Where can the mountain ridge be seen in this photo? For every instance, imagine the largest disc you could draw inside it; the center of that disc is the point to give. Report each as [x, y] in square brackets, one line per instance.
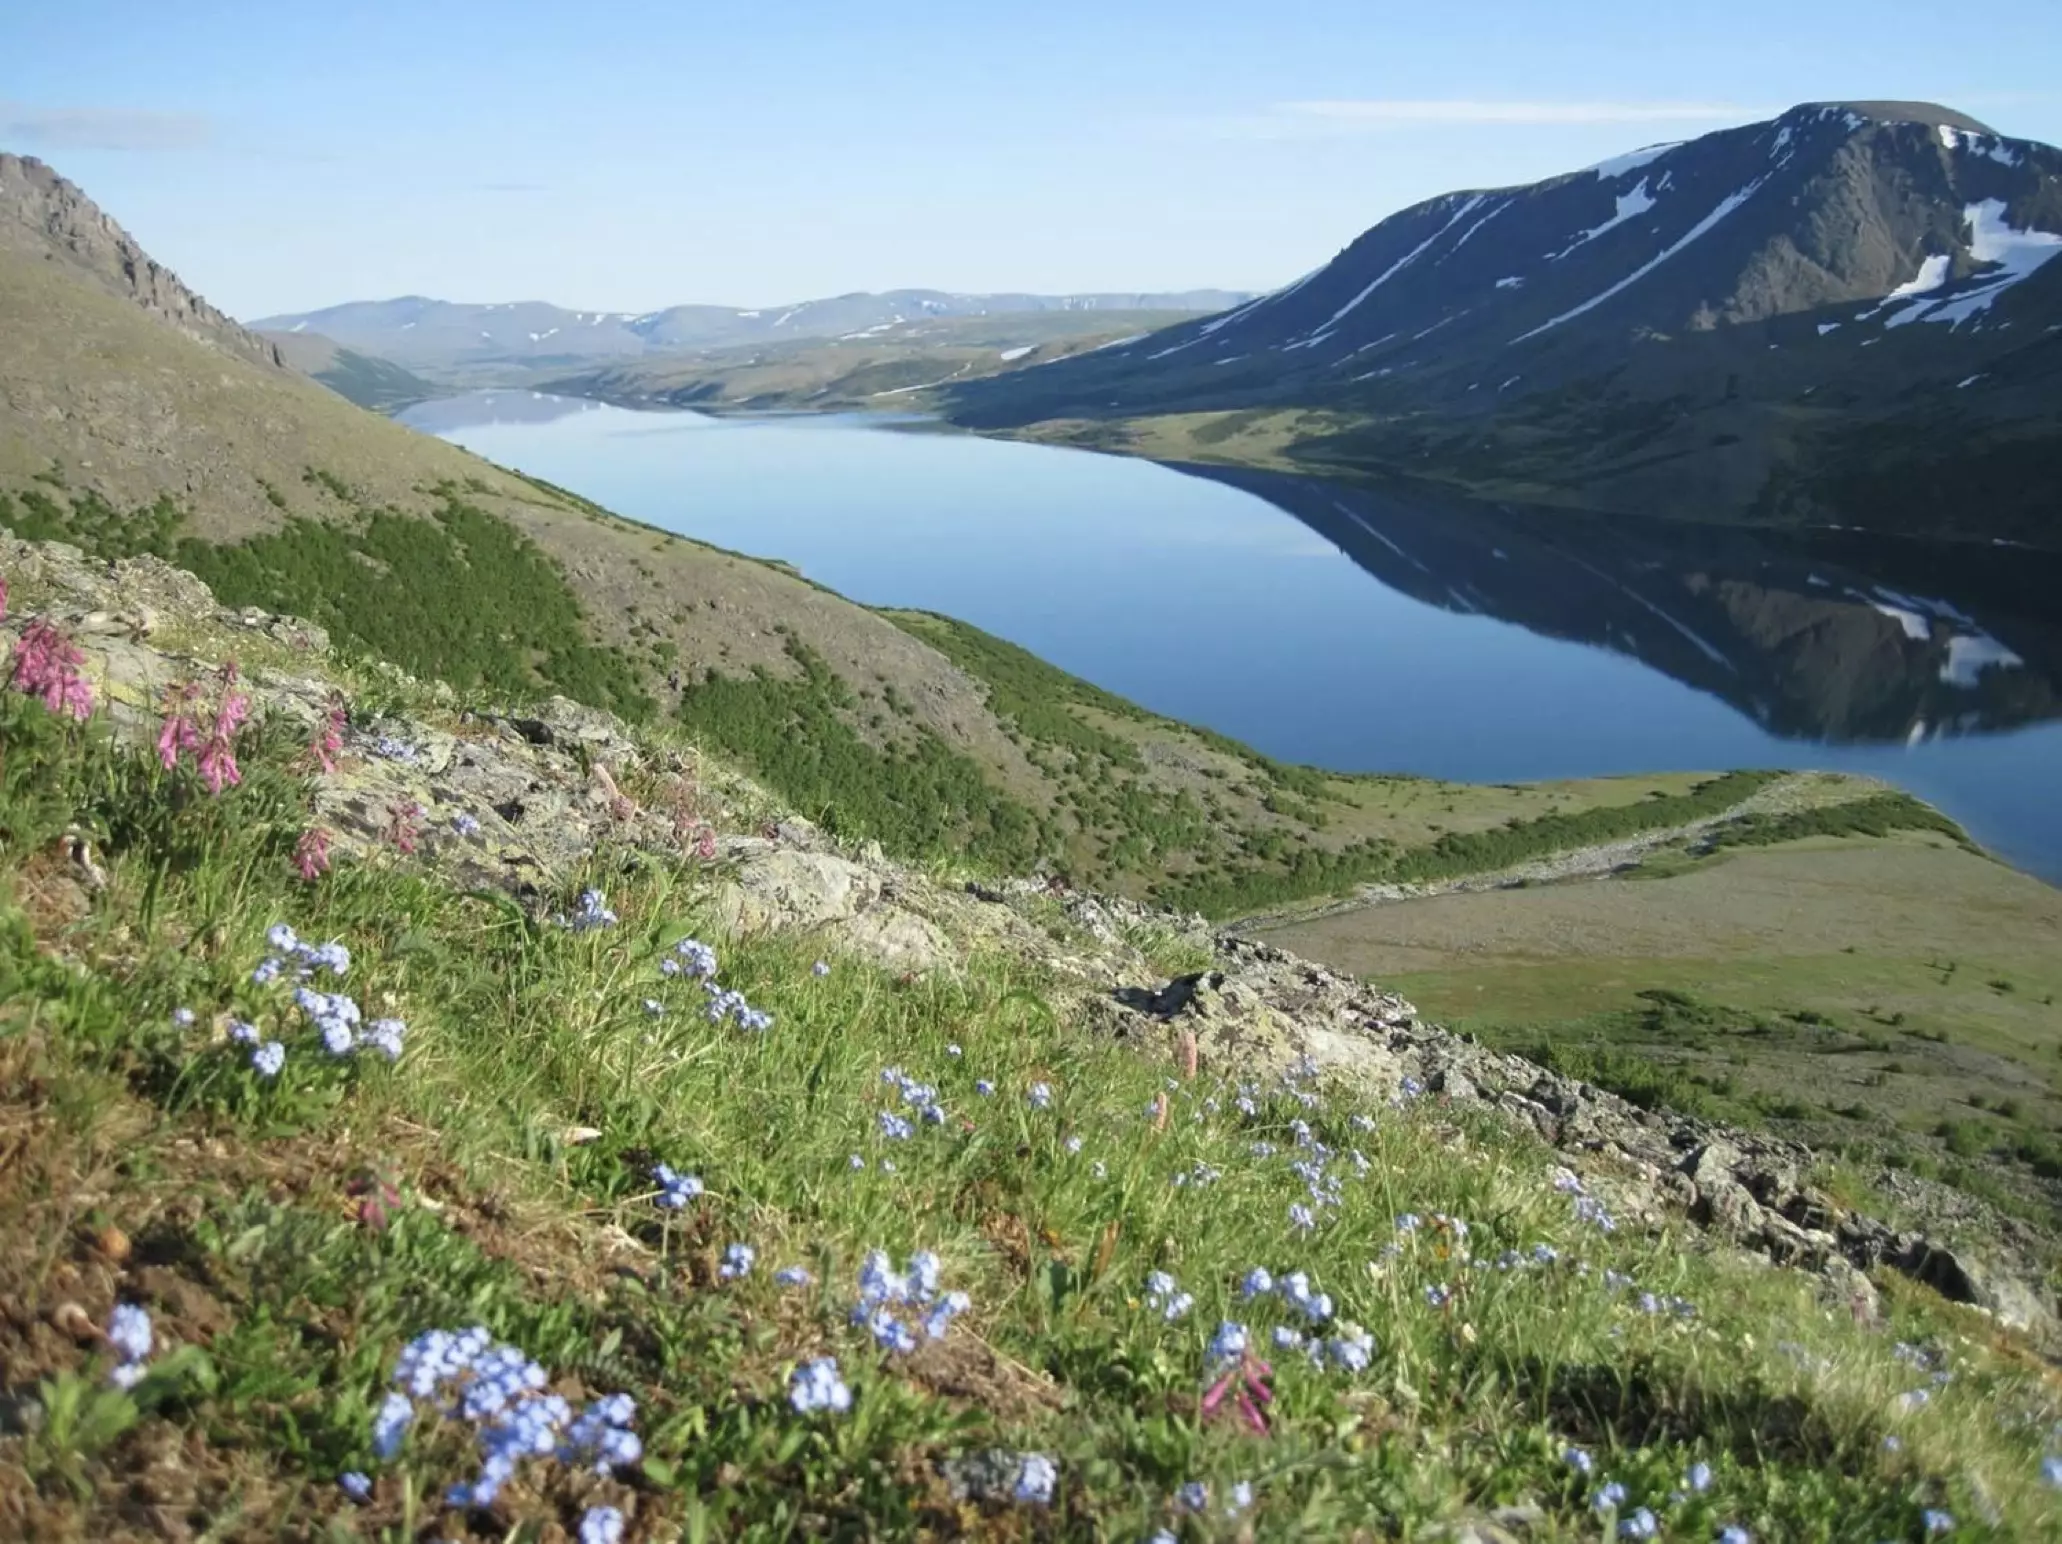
[1694, 311]
[422, 332]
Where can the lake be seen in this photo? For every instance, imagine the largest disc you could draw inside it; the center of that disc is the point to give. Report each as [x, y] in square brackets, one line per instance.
[1361, 630]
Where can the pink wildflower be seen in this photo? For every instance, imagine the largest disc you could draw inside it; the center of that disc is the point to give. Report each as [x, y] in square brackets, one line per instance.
[404, 826]
[328, 742]
[214, 751]
[1247, 1383]
[311, 853]
[376, 1196]
[46, 665]
[178, 733]
[705, 843]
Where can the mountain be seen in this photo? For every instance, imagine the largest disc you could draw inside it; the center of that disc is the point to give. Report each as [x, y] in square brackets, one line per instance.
[1831, 636]
[44, 219]
[1848, 313]
[379, 384]
[899, 365]
[136, 417]
[436, 335]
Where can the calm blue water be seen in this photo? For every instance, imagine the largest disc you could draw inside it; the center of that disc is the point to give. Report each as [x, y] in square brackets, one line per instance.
[1358, 631]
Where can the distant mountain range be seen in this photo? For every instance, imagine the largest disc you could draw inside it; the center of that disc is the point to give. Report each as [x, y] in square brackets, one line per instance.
[1850, 311]
[444, 335]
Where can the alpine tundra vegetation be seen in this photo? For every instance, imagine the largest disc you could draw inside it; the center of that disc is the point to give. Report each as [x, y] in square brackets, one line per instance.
[520, 1025]
[599, 1152]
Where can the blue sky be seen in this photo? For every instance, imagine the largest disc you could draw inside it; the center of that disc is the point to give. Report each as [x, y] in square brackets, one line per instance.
[631, 155]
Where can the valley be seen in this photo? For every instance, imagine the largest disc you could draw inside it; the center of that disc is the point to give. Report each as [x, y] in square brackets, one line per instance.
[1489, 810]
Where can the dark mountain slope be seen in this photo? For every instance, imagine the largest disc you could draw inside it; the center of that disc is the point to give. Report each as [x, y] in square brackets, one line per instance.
[1740, 326]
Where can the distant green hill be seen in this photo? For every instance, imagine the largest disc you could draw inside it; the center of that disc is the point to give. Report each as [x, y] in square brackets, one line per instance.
[379, 384]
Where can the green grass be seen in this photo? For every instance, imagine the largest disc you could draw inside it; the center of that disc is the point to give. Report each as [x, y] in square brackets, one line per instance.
[917, 796]
[1844, 985]
[1878, 814]
[460, 596]
[235, 1198]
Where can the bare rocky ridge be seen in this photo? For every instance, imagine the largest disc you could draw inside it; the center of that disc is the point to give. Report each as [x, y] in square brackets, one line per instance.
[40, 212]
[553, 789]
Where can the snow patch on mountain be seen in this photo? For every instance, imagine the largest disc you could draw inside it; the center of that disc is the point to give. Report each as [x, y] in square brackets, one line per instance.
[1968, 658]
[2019, 255]
[1499, 209]
[1632, 160]
[1725, 207]
[1979, 144]
[1630, 207]
[1402, 262]
[1932, 274]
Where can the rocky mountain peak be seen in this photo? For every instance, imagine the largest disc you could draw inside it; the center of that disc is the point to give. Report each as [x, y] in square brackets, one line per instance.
[43, 214]
[1930, 114]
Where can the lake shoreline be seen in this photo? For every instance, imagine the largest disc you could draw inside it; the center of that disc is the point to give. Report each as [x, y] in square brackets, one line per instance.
[1494, 644]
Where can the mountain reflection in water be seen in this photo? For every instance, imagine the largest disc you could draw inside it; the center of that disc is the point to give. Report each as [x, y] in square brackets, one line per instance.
[1832, 635]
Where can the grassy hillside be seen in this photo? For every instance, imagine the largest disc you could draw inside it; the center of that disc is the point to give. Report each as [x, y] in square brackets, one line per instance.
[374, 383]
[217, 1271]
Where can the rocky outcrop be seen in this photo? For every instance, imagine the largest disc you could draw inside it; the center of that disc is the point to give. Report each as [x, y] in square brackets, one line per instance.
[538, 803]
[1261, 1007]
[42, 212]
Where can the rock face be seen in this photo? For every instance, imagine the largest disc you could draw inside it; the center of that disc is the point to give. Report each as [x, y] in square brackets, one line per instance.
[529, 804]
[42, 212]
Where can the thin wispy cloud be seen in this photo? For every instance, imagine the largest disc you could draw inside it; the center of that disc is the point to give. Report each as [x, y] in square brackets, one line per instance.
[511, 187]
[1302, 120]
[101, 128]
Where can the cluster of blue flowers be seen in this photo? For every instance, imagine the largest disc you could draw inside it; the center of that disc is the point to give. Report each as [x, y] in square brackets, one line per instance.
[468, 1376]
[921, 1099]
[883, 1289]
[675, 1189]
[1194, 1497]
[818, 1385]
[335, 1017]
[1347, 1347]
[129, 1332]
[738, 1261]
[1164, 1295]
[696, 961]
[394, 749]
[465, 824]
[1608, 1500]
[592, 912]
[1587, 1207]
[1036, 1477]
